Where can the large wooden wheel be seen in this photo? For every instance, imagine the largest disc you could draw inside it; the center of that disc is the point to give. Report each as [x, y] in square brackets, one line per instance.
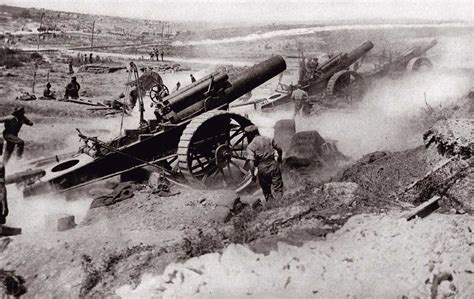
[419, 64]
[346, 84]
[212, 150]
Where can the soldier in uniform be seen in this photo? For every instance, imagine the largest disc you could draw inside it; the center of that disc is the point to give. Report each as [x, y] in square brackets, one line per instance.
[192, 78]
[265, 155]
[48, 93]
[3, 196]
[300, 97]
[13, 124]
[72, 89]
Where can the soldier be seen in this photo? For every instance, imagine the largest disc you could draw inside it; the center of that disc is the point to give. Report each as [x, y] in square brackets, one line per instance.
[71, 69]
[91, 58]
[13, 125]
[3, 196]
[265, 155]
[178, 85]
[192, 78]
[47, 93]
[162, 53]
[300, 97]
[72, 89]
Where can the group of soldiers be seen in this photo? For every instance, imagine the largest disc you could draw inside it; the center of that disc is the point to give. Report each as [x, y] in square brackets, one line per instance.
[71, 90]
[156, 53]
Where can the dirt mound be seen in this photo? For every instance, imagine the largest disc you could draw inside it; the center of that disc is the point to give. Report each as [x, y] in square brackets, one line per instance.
[342, 265]
[452, 137]
[309, 148]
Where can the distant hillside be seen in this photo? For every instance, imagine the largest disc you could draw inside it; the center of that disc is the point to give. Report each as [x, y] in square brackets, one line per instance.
[17, 19]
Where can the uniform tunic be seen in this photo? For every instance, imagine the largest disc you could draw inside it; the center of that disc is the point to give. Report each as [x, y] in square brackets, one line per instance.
[262, 151]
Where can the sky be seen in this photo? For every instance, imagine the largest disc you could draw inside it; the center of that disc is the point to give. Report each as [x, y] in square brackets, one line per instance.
[259, 11]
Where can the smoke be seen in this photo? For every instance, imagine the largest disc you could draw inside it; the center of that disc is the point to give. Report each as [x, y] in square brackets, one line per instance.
[312, 30]
[389, 117]
[30, 214]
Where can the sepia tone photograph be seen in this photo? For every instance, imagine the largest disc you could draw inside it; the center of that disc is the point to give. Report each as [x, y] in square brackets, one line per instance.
[236, 149]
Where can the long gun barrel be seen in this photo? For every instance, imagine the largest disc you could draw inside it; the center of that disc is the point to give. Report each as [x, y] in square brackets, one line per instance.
[418, 50]
[344, 60]
[218, 89]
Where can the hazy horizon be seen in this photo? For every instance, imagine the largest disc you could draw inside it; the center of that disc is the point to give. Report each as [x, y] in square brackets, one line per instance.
[256, 12]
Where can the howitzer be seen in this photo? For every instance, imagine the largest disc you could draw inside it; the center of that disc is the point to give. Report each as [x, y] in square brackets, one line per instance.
[193, 135]
[411, 59]
[331, 78]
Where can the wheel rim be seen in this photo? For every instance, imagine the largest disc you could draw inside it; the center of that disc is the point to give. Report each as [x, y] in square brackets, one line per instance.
[157, 91]
[213, 150]
[347, 85]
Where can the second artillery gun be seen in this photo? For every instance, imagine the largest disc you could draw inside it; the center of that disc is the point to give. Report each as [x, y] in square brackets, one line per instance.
[193, 134]
[329, 79]
[410, 60]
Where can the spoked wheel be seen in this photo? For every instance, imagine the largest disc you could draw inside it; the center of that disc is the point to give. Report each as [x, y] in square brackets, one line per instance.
[212, 150]
[346, 84]
[419, 64]
[158, 92]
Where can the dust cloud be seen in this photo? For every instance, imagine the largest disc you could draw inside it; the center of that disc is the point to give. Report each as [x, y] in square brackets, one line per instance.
[30, 214]
[390, 117]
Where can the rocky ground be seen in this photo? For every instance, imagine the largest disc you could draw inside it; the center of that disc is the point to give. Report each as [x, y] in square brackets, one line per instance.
[339, 231]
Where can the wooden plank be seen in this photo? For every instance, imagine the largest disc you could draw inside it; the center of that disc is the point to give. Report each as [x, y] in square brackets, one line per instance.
[424, 209]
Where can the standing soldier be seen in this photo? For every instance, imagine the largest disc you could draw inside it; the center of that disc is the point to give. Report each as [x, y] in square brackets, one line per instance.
[91, 58]
[13, 125]
[178, 85]
[162, 53]
[265, 155]
[299, 97]
[3, 196]
[192, 78]
[71, 69]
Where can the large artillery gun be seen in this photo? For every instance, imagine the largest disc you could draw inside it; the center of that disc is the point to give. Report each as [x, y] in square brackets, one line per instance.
[411, 60]
[333, 76]
[193, 134]
[328, 80]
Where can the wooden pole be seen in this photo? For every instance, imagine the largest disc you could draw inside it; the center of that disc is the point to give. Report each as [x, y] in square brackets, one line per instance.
[92, 38]
[34, 79]
[39, 34]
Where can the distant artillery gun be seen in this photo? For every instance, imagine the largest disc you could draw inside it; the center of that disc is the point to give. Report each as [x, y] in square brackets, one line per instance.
[411, 60]
[328, 80]
[193, 134]
[333, 77]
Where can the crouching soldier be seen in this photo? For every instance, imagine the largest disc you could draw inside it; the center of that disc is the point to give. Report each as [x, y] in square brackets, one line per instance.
[3, 196]
[265, 155]
[13, 125]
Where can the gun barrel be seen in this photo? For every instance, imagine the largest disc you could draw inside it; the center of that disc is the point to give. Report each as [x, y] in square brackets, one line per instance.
[220, 90]
[254, 77]
[359, 51]
[195, 93]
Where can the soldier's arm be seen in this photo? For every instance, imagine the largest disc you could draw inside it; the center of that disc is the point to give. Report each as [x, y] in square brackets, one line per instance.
[278, 149]
[27, 121]
[6, 118]
[251, 159]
